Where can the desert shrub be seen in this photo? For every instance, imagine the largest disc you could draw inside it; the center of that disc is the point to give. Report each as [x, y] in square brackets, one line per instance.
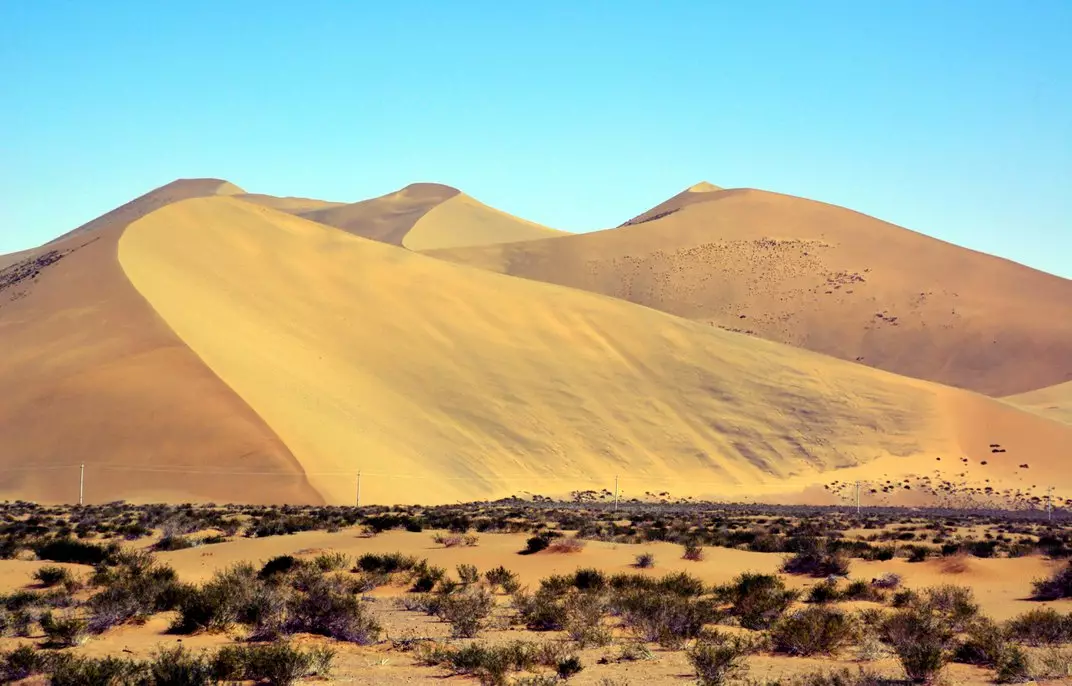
[644, 561]
[223, 600]
[174, 542]
[501, 577]
[565, 545]
[178, 666]
[544, 610]
[427, 578]
[858, 589]
[917, 553]
[812, 631]
[757, 600]
[824, 592]
[682, 584]
[72, 550]
[568, 667]
[889, 581]
[1053, 663]
[387, 563]
[1014, 667]
[21, 663]
[535, 545]
[491, 664]
[1059, 585]
[468, 574]
[466, 612]
[693, 551]
[133, 590]
[278, 565]
[448, 540]
[64, 631]
[51, 575]
[815, 558]
[1041, 626]
[589, 580]
[955, 605]
[72, 670]
[984, 644]
[667, 619]
[327, 607]
[719, 658]
[584, 619]
[920, 639]
[280, 663]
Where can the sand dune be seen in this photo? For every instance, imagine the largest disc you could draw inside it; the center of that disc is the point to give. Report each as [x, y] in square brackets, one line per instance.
[91, 374]
[442, 382]
[1054, 402]
[421, 216]
[823, 278]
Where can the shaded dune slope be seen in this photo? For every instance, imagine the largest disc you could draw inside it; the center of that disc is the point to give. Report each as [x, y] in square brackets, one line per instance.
[823, 278]
[421, 216]
[1054, 402]
[443, 383]
[92, 375]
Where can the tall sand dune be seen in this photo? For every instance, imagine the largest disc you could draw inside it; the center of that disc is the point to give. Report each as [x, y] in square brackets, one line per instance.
[823, 278]
[1054, 402]
[442, 382]
[421, 216]
[91, 374]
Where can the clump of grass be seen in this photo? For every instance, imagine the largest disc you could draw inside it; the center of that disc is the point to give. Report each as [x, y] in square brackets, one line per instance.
[501, 577]
[51, 575]
[64, 631]
[566, 545]
[693, 551]
[644, 561]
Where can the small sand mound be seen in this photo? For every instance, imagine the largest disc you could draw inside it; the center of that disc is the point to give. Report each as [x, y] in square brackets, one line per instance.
[703, 187]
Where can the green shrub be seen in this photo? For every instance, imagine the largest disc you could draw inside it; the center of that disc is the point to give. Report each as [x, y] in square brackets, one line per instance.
[824, 592]
[584, 619]
[466, 612]
[1058, 586]
[568, 667]
[644, 561]
[502, 577]
[64, 632]
[815, 558]
[921, 640]
[812, 631]
[330, 562]
[757, 600]
[427, 577]
[51, 575]
[1041, 626]
[327, 607]
[468, 574]
[1014, 667]
[535, 545]
[177, 666]
[718, 659]
[21, 663]
[984, 644]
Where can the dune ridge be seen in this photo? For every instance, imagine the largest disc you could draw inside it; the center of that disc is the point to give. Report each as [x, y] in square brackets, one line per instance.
[820, 277]
[1054, 402]
[444, 383]
[91, 374]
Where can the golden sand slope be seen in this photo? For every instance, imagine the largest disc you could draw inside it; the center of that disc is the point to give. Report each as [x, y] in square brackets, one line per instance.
[387, 218]
[1054, 402]
[421, 216]
[90, 374]
[462, 221]
[444, 383]
[824, 278]
[288, 203]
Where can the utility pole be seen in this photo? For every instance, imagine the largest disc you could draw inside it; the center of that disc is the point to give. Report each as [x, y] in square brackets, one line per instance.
[81, 481]
[615, 492]
[359, 488]
[1049, 503]
[857, 498]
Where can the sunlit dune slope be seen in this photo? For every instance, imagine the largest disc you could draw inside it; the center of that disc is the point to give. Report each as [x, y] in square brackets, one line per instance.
[700, 192]
[421, 216]
[387, 218]
[823, 278]
[1054, 402]
[90, 374]
[288, 203]
[463, 221]
[442, 382]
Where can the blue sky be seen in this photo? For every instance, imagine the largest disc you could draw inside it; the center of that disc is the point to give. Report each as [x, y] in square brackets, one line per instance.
[953, 118]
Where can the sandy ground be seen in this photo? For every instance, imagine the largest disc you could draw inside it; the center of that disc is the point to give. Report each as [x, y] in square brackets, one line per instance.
[824, 278]
[999, 584]
[463, 221]
[1054, 402]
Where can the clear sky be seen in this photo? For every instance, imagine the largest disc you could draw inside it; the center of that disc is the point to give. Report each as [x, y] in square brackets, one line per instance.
[953, 118]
